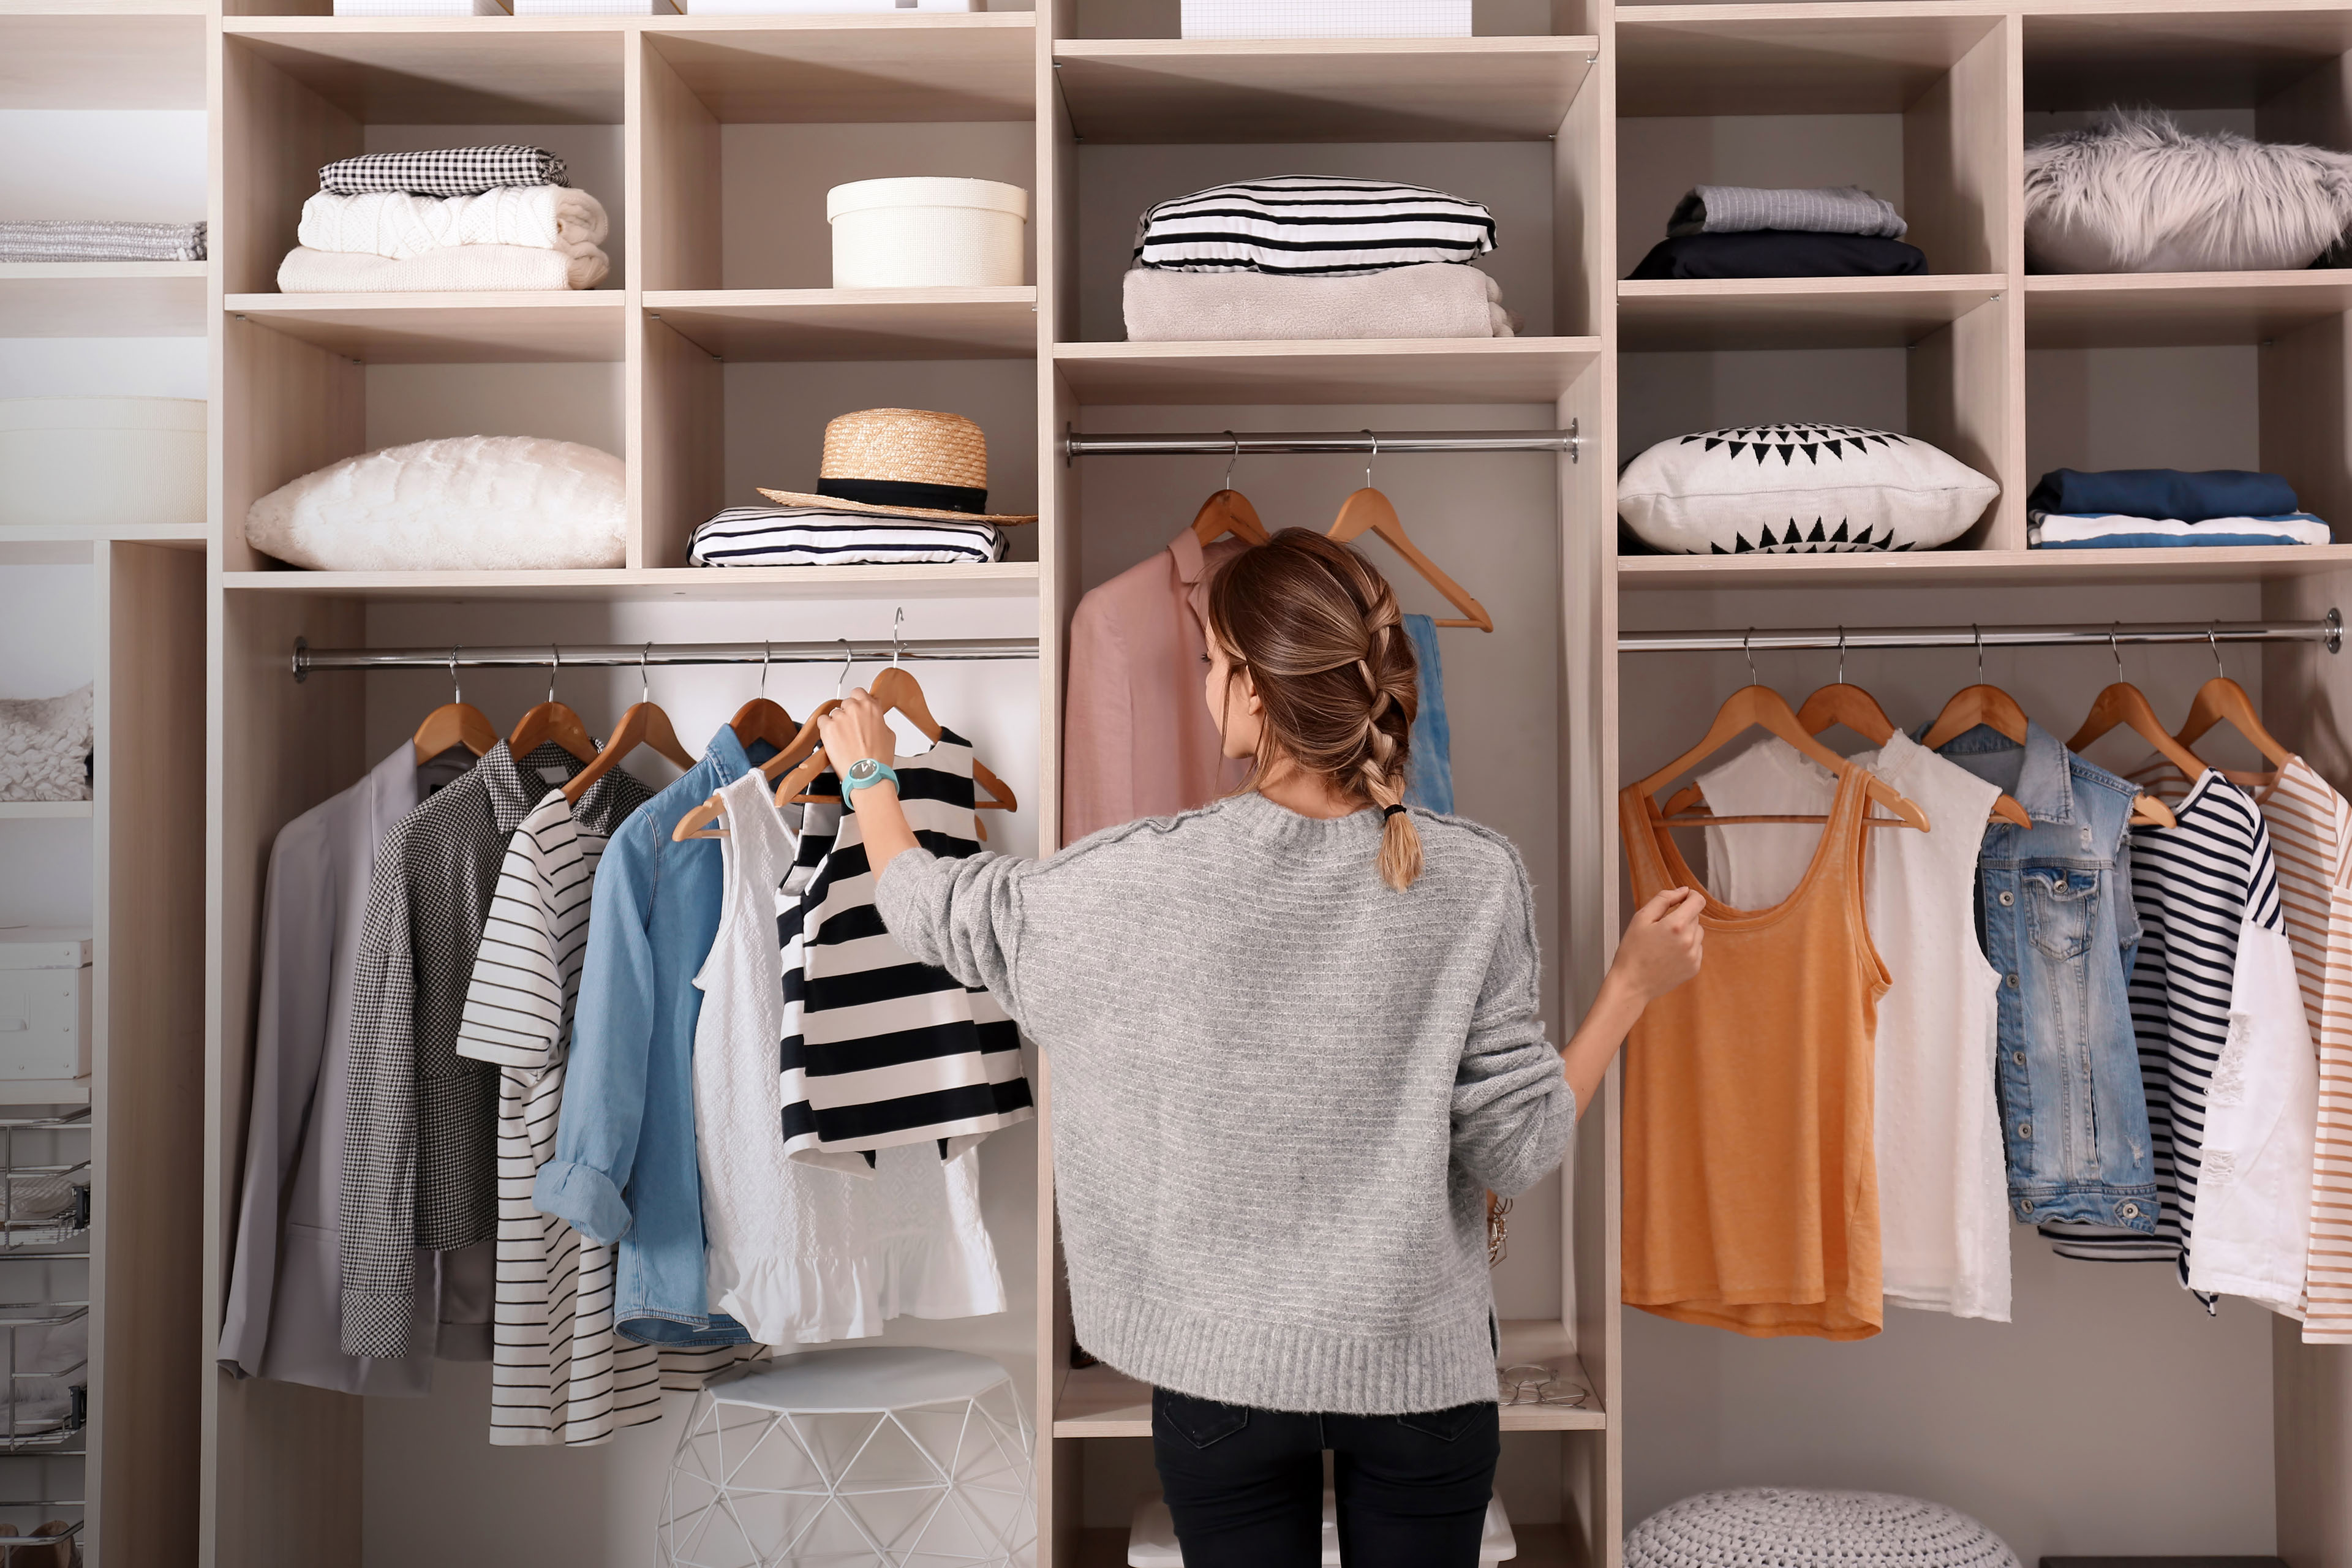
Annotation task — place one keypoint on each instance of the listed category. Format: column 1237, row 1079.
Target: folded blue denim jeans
column 2055, row 916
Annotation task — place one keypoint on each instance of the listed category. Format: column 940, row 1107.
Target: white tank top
column 798, row 1254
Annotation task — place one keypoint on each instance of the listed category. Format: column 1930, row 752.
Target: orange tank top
column 1752, row 1188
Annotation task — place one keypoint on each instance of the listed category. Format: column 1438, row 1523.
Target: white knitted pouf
column 1788, row 1527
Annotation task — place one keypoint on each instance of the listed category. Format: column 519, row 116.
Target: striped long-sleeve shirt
column 559, row 1373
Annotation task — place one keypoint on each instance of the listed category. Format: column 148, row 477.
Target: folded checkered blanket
column 448, row 172
column 99, row 239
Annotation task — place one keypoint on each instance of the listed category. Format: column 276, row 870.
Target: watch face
column 864, row 769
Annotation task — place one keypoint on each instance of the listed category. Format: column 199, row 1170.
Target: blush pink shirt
column 1138, row 740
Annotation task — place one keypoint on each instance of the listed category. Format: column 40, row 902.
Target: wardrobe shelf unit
column 2178, row 310
column 102, row 298
column 1401, row 370
column 582, row 326
column 1687, row 313
column 1321, row 89
column 1982, row 568
column 976, row 580
column 998, row 322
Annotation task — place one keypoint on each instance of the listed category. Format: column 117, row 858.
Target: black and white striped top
column 559, row 1372
column 1309, row 226
column 813, row 536
column 879, row 1050
column 2194, row 887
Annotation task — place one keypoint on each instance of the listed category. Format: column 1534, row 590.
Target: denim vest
column 2054, row 914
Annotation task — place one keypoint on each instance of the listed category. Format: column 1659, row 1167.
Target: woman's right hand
column 1662, row 944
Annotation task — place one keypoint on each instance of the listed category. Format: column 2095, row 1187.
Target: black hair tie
column 1391, row 810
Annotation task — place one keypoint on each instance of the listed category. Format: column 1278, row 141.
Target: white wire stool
column 903, row 1457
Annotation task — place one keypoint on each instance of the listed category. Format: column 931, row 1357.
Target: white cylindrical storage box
column 927, row 233
column 101, row 460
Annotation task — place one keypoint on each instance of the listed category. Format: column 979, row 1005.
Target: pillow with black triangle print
column 1799, row 489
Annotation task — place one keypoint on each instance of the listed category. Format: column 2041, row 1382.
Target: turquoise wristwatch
column 863, row 771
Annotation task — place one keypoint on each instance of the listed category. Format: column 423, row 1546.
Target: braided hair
column 1317, row 628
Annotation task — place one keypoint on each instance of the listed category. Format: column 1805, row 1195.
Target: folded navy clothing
column 1780, row 253
column 2164, row 492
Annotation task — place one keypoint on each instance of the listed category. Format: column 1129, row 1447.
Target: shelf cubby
column 743, row 130
column 1909, row 99
column 1321, row 89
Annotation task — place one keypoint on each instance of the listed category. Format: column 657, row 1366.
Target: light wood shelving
column 103, row 299
column 687, row 330
column 146, row 53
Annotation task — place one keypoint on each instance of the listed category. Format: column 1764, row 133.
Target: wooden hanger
column 455, row 722
column 894, row 689
column 697, row 824
column 1368, row 511
column 1760, row 707
column 1229, row 511
column 645, row 725
column 1972, row 706
column 2222, row 701
column 1840, row 702
column 760, row 720
column 551, row 721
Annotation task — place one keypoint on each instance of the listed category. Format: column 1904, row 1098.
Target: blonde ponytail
column 1317, row 628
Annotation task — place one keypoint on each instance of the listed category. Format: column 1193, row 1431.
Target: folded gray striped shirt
column 1740, row 209
column 99, row 239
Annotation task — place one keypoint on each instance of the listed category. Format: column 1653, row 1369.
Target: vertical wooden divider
column 148, row 1349
column 1060, row 1462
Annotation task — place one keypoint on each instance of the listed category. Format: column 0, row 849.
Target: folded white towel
column 460, row 269
column 395, row 224
column 1431, row 300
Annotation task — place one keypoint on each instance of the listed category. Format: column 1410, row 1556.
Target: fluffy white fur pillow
column 2138, row 194
column 469, row 503
column 43, row 742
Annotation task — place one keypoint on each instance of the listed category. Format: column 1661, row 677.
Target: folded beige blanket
column 460, row 269
column 1432, row 299
column 395, row 224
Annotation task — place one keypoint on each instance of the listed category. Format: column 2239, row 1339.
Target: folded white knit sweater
column 459, row 268
column 398, row 225
column 1430, row 299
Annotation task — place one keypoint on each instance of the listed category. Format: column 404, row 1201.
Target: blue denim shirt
column 2055, row 913
column 1429, row 752
column 624, row 1163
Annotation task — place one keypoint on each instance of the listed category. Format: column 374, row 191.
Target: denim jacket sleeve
column 604, row 1082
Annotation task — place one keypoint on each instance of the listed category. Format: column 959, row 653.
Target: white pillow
column 2138, row 194
column 1799, row 489
column 467, row 504
column 43, row 744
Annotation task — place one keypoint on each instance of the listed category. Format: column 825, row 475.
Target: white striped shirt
column 2311, row 839
column 1311, row 226
column 879, row 1050
column 559, row 1372
column 2194, row 887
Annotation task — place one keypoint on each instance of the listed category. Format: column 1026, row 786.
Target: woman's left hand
column 860, row 727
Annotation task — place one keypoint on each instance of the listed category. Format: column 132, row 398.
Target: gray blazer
column 285, row 1269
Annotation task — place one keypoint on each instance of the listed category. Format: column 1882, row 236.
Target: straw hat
column 903, row 462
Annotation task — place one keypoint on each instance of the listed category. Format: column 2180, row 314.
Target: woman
column 1296, row 1037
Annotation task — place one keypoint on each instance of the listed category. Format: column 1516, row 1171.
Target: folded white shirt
column 2048, row 529
column 400, row 225
column 459, row 269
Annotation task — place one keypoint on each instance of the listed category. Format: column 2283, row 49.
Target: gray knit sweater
column 1280, row 1089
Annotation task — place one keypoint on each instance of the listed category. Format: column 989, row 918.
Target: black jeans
column 1245, row 1486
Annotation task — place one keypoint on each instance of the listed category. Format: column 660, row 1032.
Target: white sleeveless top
column 799, row 1254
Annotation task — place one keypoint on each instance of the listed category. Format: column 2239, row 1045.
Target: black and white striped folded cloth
column 811, row 536
column 1307, row 226
column 99, row 239
column 448, row 172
